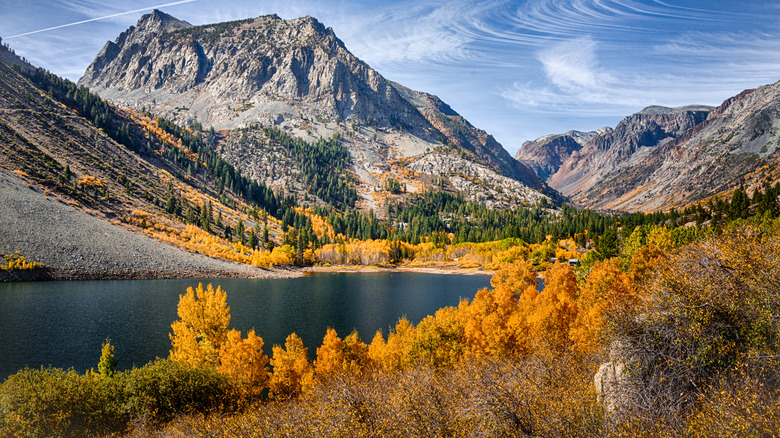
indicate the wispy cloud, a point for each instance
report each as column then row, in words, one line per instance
column 572, row 66
column 75, row 23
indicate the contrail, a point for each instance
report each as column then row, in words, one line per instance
column 100, row 18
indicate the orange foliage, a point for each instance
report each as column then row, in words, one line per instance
column 17, row 262
column 439, row 339
column 90, row 182
column 554, row 310
column 195, row 239
column 292, row 372
column 198, row 335
column 395, row 353
column 494, row 322
column 330, row 356
column 244, row 361
column 606, row 292
column 318, row 223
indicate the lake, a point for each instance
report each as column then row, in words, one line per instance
column 64, row 323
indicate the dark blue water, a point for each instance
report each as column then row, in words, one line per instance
column 63, row 324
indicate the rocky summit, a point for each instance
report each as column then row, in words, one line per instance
column 296, row 75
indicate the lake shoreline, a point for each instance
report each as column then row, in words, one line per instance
column 49, row 274
column 248, row 272
column 453, row 270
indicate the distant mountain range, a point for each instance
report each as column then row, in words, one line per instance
column 665, row 157
column 296, row 75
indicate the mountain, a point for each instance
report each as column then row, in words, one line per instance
column 545, row 155
column 296, row 75
column 663, row 157
column 78, row 200
column 634, row 137
column 736, row 145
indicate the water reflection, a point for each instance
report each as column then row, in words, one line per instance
column 64, row 323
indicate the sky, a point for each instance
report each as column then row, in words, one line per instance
column 518, row 69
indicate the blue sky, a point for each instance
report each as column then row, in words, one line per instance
column 517, row 69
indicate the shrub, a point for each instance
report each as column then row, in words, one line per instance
column 163, row 389
column 54, row 402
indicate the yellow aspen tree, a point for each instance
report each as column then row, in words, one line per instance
column 244, row 361
column 661, row 238
column 554, row 310
column 330, row 356
column 607, row 290
column 202, row 328
column 491, row 324
column 377, row 351
column 399, row 344
column 644, row 262
column 292, row 371
column 355, row 354
column 439, row 339
column 107, row 364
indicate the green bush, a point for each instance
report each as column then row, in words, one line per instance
column 56, row 403
column 163, row 389
column 53, row 402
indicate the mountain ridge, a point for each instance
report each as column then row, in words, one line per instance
column 660, row 157
column 298, row 76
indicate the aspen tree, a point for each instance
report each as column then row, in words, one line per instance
column 202, row 328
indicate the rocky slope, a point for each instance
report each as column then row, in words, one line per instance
column 66, row 188
column 665, row 157
column 296, row 75
column 633, row 138
column 737, row 144
column 75, row 245
column 545, row 155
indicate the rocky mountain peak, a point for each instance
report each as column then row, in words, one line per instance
column 573, row 162
column 295, row 75
column 158, row 21
column 651, row 126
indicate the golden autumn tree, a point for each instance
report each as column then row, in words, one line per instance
column 244, row 361
column 393, row 354
column 492, row 322
column 606, row 292
column 644, row 262
column 292, row 371
column 439, row 339
column 355, row 353
column 201, row 330
column 337, row 355
column 330, row 356
column 554, row 310
column 377, row 350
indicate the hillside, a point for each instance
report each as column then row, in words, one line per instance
column 664, row 157
column 299, row 77
column 66, row 180
column 63, row 238
column 736, row 145
column 545, row 155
